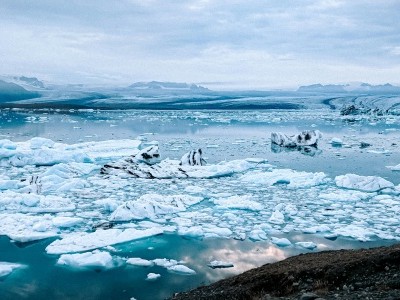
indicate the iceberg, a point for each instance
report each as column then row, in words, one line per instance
column 305, row 138
column 291, row 178
column 83, row 241
column 152, row 276
column 181, row 269
column 245, row 202
column 193, row 158
column 95, row 259
column 7, row 268
column 217, row 264
column 363, row 183
column 136, row 261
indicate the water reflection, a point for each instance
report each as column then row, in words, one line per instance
column 305, row 150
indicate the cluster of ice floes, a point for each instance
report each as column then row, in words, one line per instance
column 152, row 206
column 87, row 212
column 45, row 152
column 144, row 165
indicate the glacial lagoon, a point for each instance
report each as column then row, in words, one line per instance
column 262, row 203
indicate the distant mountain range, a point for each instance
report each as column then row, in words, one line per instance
column 350, row 87
column 10, row 91
column 171, row 86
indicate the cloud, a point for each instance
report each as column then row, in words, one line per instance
column 200, row 40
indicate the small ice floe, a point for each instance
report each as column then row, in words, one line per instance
column 336, row 142
column 218, row 264
column 193, row 158
column 165, row 262
column 140, row 262
column 181, row 269
column 277, row 218
column 306, row 245
column 152, row 205
column 65, row 222
column 305, row 138
column 84, row 241
column 363, row 183
column 7, row 268
column 152, row 276
column 291, row 178
column 394, row 168
column 149, row 155
column 281, row 242
column 88, row 260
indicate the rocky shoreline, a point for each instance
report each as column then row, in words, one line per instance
column 341, row 274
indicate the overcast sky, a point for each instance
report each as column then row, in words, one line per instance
column 234, row 43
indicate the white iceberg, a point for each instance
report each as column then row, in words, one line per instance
column 94, row 259
column 152, row 276
column 291, row 178
column 83, row 241
column 181, row 269
column 216, row 264
column 281, row 242
column 363, row 183
column 136, row 261
column 7, row 268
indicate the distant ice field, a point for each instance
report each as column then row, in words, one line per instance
column 250, row 195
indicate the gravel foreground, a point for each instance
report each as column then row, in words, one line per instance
column 341, row 274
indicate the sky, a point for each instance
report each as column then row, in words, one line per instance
column 217, row 43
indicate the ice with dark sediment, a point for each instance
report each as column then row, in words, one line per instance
column 305, row 138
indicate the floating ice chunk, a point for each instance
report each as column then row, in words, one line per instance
column 277, row 218
column 164, row 262
column 194, row 189
column 40, row 143
column 305, row 138
column 7, row 268
column 193, row 231
column 152, row 205
column 282, row 140
column 149, row 155
column 394, row 168
column 83, row 241
column 215, row 231
column 363, row 183
column 10, row 184
column 94, row 259
column 66, row 221
column 293, row 179
column 218, row 264
column 8, row 145
column 152, row 276
column 181, row 269
column 355, row 231
column 136, row 261
column 239, row 202
column 193, row 158
column 107, row 204
column 344, row 195
column 26, row 228
column 336, row 142
column 306, row 245
column 281, row 242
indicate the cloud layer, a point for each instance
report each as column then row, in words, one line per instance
column 244, row 43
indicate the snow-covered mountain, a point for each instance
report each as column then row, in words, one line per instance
column 12, row 92
column 172, row 86
column 359, row 87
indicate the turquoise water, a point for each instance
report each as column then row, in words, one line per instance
column 42, row 279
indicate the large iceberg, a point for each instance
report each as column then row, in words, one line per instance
column 305, row 138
